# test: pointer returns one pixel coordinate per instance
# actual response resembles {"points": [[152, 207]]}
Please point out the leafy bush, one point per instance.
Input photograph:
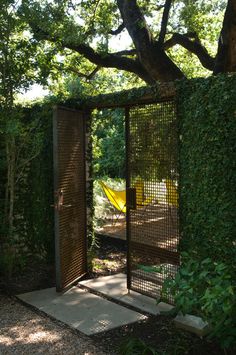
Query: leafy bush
{"points": [[135, 346], [206, 109], [36, 190], [207, 288], [109, 143], [205, 284], [11, 262], [33, 230]]}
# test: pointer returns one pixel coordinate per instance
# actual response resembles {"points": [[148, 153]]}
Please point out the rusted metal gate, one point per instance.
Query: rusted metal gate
{"points": [[152, 217], [70, 196]]}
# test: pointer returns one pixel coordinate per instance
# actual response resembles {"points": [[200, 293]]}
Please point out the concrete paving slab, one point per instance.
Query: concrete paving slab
{"points": [[82, 310], [115, 286], [192, 324], [164, 307]]}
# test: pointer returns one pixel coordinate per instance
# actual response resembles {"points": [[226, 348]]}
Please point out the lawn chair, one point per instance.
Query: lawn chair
{"points": [[171, 196], [118, 198]]}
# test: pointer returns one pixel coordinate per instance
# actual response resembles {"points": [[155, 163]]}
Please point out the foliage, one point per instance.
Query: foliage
{"points": [[36, 189], [23, 61], [81, 37], [68, 85], [22, 143], [32, 232], [205, 284], [206, 288], [21, 64], [135, 346], [33, 221], [108, 135], [158, 143], [207, 167]]}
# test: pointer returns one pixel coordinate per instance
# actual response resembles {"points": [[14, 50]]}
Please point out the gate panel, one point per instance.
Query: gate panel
{"points": [[153, 224], [70, 204]]}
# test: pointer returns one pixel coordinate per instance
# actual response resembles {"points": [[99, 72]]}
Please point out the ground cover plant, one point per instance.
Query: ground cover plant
{"points": [[205, 288]]}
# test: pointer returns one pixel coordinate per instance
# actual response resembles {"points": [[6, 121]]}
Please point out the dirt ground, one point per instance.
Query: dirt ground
{"points": [[157, 332], [157, 224], [24, 331]]}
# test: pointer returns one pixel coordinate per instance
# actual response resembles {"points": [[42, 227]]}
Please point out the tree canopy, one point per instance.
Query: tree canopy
{"points": [[155, 38]]}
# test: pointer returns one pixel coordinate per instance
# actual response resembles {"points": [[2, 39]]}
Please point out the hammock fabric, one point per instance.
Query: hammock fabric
{"points": [[118, 198]]}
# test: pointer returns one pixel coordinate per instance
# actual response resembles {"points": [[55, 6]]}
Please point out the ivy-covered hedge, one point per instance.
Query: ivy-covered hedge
{"points": [[36, 189], [207, 117], [205, 284]]}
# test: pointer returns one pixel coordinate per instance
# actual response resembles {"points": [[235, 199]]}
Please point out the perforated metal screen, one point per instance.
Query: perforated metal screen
{"points": [[153, 224], [70, 204]]}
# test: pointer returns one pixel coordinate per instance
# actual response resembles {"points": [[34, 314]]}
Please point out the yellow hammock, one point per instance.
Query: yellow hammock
{"points": [[118, 198]]}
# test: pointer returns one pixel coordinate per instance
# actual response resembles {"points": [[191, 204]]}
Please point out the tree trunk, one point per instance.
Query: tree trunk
{"points": [[226, 55], [150, 52]]}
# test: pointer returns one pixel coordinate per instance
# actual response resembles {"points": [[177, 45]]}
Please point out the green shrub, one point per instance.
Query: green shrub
{"points": [[108, 135], [205, 284], [135, 346], [11, 261], [33, 227], [207, 288], [35, 195], [207, 161]]}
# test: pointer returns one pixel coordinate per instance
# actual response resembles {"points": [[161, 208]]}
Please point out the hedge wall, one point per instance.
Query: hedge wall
{"points": [[36, 190], [207, 119], [33, 217], [207, 126]]}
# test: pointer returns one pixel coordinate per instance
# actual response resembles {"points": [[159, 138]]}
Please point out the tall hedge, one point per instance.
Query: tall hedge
{"points": [[207, 123], [38, 194], [34, 227]]}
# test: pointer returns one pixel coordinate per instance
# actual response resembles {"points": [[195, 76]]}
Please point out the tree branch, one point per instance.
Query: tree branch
{"points": [[110, 60], [126, 52], [193, 46], [107, 60], [86, 76], [118, 30], [164, 21], [150, 53]]}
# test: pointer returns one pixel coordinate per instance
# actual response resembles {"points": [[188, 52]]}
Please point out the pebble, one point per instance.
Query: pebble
{"points": [[23, 331]]}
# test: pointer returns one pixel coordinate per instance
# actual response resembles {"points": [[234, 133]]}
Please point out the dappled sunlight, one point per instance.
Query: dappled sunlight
{"points": [[23, 331], [81, 309], [33, 332]]}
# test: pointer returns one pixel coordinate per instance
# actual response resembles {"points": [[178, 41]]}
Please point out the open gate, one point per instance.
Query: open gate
{"points": [[70, 196], [152, 217], [152, 208]]}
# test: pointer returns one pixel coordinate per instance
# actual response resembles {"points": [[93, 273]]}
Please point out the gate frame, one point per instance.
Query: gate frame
{"points": [[122, 99]]}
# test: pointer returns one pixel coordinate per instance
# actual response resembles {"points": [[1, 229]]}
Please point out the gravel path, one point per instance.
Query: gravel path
{"points": [[22, 331]]}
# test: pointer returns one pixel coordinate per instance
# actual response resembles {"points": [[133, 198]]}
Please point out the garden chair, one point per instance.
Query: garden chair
{"points": [[171, 196], [118, 198]]}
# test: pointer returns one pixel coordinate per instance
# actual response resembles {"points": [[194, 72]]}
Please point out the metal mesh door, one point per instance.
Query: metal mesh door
{"points": [[70, 206], [152, 196]]}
